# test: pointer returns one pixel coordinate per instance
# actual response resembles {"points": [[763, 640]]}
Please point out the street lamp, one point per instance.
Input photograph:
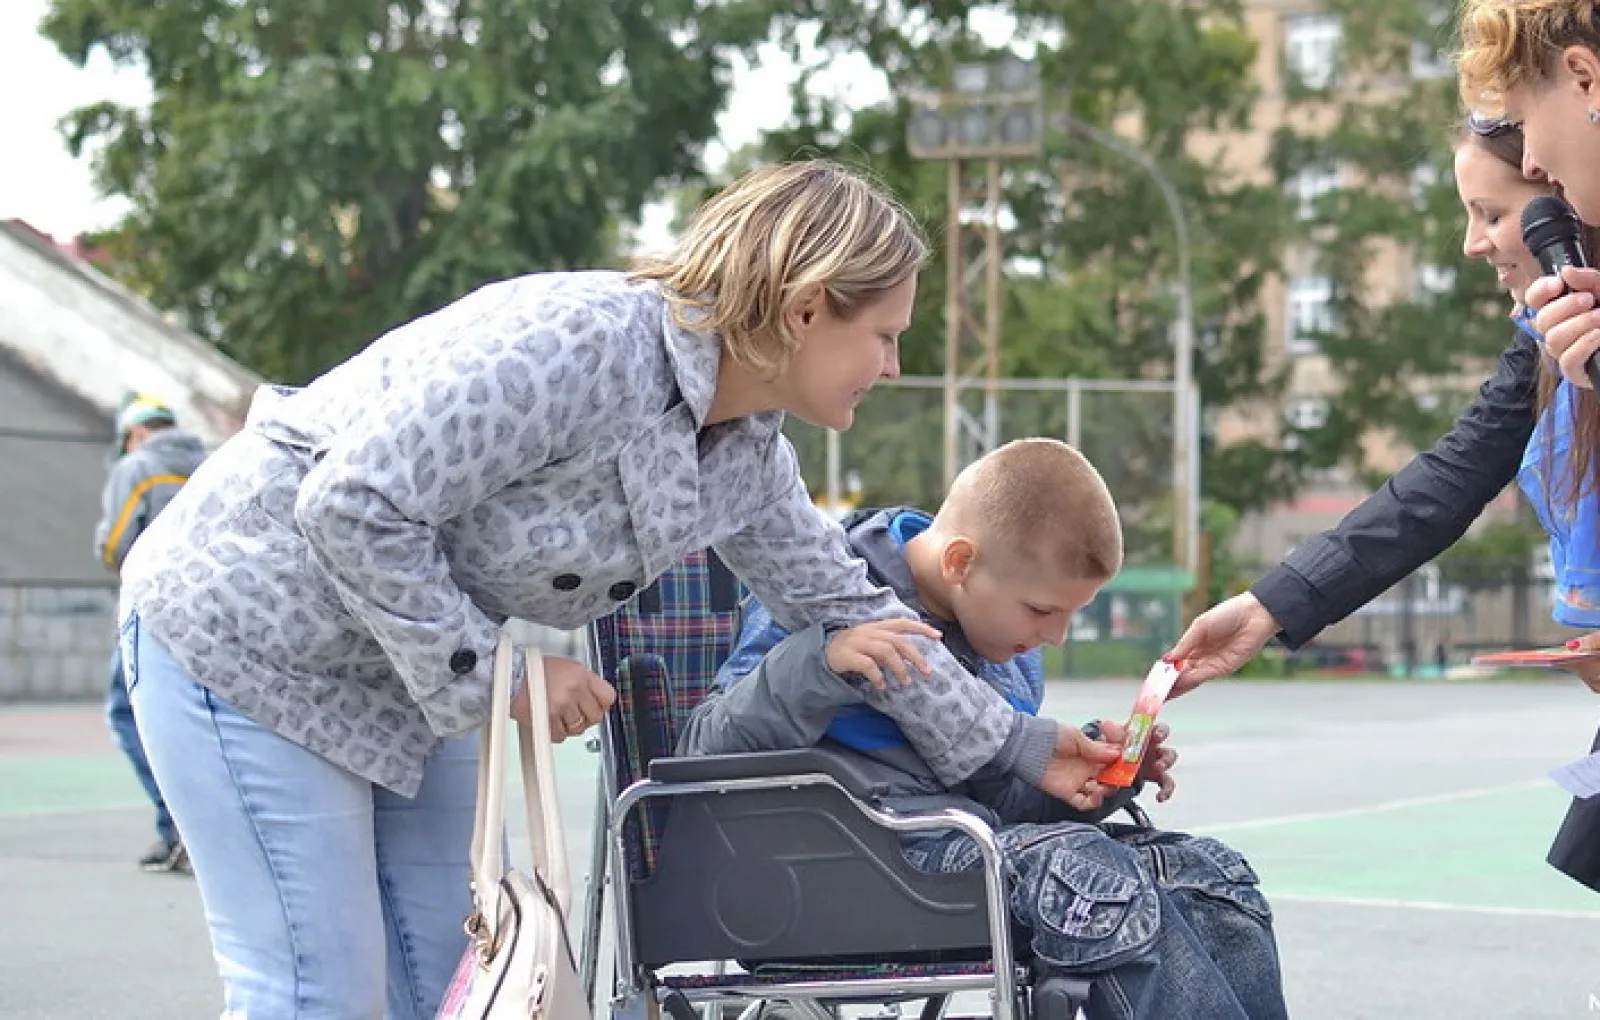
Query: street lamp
{"points": [[990, 112]]}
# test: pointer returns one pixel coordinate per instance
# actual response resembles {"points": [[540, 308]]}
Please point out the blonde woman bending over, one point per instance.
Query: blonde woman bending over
{"points": [[308, 628]]}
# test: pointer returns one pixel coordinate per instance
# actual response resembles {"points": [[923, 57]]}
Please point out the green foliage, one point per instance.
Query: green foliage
{"points": [[1404, 365], [311, 174], [1090, 285]]}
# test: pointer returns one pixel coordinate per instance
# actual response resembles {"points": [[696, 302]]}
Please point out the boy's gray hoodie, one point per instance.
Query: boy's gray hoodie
{"points": [[141, 484], [789, 700]]}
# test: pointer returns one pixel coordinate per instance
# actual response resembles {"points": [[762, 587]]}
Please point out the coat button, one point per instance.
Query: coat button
{"points": [[622, 591], [566, 582], [463, 661]]}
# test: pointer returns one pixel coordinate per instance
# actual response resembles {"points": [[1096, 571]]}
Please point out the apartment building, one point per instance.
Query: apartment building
{"points": [[1301, 42]]}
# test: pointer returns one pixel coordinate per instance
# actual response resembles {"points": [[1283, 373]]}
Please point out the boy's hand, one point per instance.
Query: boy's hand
{"points": [[879, 648], [1158, 762], [1078, 759]]}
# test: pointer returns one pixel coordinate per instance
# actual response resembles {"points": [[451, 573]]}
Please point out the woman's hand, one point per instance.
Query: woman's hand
{"points": [[1588, 672], [1220, 640], [1569, 322], [577, 699], [878, 649]]}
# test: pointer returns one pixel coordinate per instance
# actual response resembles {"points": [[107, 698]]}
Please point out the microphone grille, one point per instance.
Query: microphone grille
{"points": [[1546, 219]]}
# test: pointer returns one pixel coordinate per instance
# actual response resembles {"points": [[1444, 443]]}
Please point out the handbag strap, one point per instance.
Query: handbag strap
{"points": [[538, 788], [545, 832], [488, 862]]}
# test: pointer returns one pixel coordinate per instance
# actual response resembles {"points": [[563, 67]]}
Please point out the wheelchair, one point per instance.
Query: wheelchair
{"points": [[759, 884]]}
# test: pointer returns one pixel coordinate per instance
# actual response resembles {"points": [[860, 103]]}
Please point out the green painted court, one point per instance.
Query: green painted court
{"points": [[1399, 829]]}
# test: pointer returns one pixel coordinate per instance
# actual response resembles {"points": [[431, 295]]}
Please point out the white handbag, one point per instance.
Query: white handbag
{"points": [[519, 963]]}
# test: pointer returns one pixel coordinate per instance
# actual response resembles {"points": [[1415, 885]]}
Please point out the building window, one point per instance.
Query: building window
{"points": [[1310, 312], [1311, 49], [1306, 413], [1310, 183]]}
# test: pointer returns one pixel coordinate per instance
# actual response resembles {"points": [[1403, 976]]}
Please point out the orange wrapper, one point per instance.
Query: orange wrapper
{"points": [[1152, 695]]}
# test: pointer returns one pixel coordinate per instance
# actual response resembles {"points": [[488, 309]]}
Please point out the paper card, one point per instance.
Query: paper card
{"points": [[1581, 778]]}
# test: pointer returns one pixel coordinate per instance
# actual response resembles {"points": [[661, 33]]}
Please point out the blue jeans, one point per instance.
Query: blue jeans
{"points": [[120, 715], [327, 898], [1167, 925]]}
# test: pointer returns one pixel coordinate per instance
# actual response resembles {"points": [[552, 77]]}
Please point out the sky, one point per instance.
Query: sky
{"points": [[40, 182]]}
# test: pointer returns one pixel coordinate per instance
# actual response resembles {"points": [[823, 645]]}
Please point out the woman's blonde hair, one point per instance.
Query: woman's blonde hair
{"points": [[775, 235], [1507, 43]]}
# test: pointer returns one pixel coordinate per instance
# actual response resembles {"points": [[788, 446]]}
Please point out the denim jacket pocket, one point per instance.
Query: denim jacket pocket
{"points": [[1091, 913], [1211, 868]]}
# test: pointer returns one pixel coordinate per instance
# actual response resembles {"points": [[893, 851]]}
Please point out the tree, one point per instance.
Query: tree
{"points": [[1098, 299], [1404, 364], [309, 175]]}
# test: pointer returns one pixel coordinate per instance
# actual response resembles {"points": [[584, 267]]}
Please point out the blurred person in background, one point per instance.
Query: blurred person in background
{"points": [[153, 458]]}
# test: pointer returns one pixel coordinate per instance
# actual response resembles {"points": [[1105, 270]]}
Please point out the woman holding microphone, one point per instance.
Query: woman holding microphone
{"points": [[1430, 502]]}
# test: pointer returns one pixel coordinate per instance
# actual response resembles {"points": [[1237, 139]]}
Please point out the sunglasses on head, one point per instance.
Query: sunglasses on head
{"points": [[1489, 127]]}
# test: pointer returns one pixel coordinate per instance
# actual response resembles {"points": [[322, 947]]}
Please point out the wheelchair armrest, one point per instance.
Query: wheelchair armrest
{"points": [[766, 764]]}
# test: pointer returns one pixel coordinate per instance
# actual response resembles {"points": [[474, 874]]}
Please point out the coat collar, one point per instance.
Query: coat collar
{"points": [[695, 356]]}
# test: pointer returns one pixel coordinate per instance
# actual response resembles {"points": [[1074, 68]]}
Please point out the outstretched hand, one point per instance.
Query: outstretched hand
{"points": [[1220, 640]]}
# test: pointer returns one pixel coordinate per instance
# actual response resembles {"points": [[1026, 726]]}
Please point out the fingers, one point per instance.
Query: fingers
{"points": [[881, 649], [1543, 291], [1112, 731], [1081, 745], [1089, 798], [1160, 771], [1574, 363]]}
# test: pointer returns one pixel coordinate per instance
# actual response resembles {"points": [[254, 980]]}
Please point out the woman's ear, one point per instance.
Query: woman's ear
{"points": [[802, 311], [1583, 65]]}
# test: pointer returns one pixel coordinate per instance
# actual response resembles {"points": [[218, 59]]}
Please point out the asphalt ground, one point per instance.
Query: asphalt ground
{"points": [[1399, 829]]}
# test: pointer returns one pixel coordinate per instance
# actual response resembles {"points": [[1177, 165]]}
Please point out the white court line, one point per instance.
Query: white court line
{"points": [[1449, 908], [92, 809], [1370, 809]]}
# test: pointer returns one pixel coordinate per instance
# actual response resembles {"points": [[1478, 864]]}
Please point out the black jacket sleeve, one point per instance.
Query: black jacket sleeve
{"points": [[1416, 515]]}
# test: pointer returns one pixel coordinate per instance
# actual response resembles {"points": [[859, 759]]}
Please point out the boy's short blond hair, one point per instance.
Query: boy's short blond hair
{"points": [[1039, 503], [775, 235], [1507, 43]]}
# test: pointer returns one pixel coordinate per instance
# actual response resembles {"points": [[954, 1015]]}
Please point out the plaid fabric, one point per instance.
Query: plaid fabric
{"points": [[661, 652]]}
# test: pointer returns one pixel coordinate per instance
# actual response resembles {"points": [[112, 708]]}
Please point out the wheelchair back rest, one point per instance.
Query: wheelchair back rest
{"points": [[661, 652]]}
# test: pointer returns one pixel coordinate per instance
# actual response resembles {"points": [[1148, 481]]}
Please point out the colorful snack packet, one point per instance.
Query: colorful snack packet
{"points": [[1157, 685]]}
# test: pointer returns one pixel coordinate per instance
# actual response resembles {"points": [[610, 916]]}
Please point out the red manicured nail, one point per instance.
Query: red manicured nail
{"points": [[1573, 645]]}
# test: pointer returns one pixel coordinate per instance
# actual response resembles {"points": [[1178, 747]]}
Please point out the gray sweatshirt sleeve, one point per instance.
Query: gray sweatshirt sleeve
{"points": [[786, 703], [122, 513], [799, 564]]}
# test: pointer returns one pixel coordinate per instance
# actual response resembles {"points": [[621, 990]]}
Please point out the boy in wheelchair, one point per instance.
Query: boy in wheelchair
{"points": [[1167, 925]]}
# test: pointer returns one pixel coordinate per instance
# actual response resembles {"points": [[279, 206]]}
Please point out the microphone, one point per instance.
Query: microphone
{"points": [[1554, 235]]}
